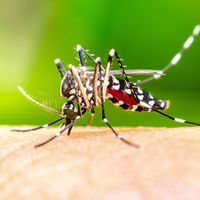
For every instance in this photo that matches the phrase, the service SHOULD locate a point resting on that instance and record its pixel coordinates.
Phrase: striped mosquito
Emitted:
(85, 89)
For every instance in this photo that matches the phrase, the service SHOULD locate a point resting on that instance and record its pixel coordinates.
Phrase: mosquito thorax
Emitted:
(67, 84)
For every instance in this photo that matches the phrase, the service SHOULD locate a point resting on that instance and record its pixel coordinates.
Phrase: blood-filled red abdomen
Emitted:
(122, 96)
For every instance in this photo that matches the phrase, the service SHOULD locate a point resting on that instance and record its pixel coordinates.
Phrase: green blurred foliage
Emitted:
(145, 33)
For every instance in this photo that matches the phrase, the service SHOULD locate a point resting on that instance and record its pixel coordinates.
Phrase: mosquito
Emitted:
(85, 90)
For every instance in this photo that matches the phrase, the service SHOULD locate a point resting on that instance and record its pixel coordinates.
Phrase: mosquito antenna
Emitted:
(37, 102)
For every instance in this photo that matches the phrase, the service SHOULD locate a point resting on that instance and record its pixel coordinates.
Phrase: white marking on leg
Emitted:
(179, 120)
(119, 136)
(98, 59)
(58, 134)
(45, 125)
(176, 58)
(188, 42)
(112, 52)
(196, 30)
(78, 47)
(105, 120)
(57, 61)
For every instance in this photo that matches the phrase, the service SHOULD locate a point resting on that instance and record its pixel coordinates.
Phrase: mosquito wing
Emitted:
(133, 72)
(138, 72)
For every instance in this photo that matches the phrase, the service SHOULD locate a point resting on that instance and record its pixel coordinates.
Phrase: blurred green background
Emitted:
(147, 34)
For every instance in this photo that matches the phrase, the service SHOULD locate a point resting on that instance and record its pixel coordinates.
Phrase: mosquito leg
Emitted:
(45, 142)
(67, 125)
(60, 67)
(70, 129)
(80, 85)
(176, 119)
(122, 67)
(63, 126)
(39, 127)
(177, 56)
(80, 50)
(98, 64)
(91, 117)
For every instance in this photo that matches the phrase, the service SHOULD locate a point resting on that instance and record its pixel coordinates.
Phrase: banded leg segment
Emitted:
(98, 64)
(122, 68)
(80, 85)
(177, 56)
(63, 128)
(176, 119)
(80, 50)
(39, 127)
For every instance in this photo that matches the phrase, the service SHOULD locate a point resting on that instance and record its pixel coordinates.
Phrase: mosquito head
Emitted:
(69, 110)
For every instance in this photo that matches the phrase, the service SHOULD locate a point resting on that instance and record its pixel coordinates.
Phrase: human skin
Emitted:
(93, 164)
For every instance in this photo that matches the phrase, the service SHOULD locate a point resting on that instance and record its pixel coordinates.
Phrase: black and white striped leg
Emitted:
(176, 119)
(118, 135)
(122, 68)
(98, 64)
(80, 50)
(39, 127)
(63, 128)
(176, 57)
(53, 137)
